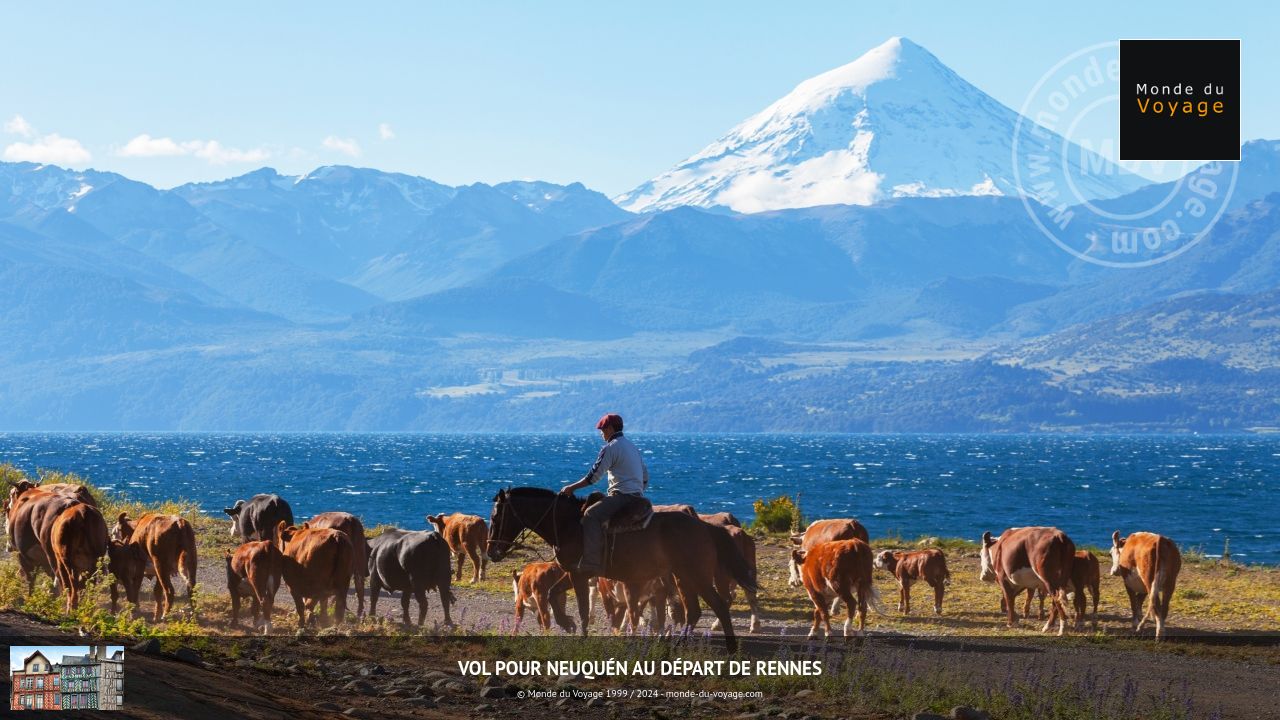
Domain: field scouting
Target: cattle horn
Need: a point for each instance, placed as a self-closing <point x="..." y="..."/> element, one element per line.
<point x="1115" y="538"/>
<point x="986" y="538"/>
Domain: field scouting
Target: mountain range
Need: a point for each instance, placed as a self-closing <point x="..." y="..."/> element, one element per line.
<point x="885" y="278"/>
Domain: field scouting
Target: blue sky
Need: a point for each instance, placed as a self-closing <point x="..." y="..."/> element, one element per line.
<point x="608" y="94"/>
<point x="18" y="653"/>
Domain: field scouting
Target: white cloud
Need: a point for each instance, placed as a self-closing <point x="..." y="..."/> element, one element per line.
<point x="19" y="126"/>
<point x="211" y="151"/>
<point x="346" y="146"/>
<point x="385" y="132"/>
<point x="51" y="148"/>
<point x="216" y="154"/>
<point x="146" y="146"/>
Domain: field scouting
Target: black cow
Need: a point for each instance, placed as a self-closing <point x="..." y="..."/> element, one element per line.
<point x="411" y="563"/>
<point x="257" y="518"/>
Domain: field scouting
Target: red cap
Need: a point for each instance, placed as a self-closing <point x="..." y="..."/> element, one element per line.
<point x="612" y="420"/>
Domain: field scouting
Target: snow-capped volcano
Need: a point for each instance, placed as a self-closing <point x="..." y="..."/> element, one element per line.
<point x="895" y="122"/>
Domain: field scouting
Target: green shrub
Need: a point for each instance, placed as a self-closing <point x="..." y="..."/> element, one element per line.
<point x="779" y="515"/>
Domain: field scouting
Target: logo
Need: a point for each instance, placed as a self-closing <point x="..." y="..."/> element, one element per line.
<point x="1109" y="212"/>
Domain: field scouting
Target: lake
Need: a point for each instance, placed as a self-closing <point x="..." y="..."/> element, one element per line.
<point x="1198" y="490"/>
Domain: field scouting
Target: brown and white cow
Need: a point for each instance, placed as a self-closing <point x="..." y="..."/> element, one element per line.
<point x="466" y="536"/>
<point x="909" y="567"/>
<point x="1149" y="565"/>
<point x="351" y="525"/>
<point x="1030" y="557"/>
<point x="820" y="531"/>
<point x="169" y="543"/>
<point x="316" y="565"/>
<point x="542" y="587"/>
<point x="77" y="540"/>
<point x="254" y="570"/>
<point x="837" y="570"/>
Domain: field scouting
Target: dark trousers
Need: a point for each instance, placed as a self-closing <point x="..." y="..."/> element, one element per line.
<point x="593" y="524"/>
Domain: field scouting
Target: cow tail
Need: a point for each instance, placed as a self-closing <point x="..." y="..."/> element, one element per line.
<point x="946" y="576"/>
<point x="187" y="553"/>
<point x="730" y="557"/>
<point x="1157" y="587"/>
<point x="873" y="598"/>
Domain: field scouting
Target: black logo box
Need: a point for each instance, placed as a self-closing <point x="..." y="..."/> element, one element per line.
<point x="1185" y="68"/>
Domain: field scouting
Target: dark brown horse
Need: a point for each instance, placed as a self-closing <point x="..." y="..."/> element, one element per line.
<point x="673" y="542"/>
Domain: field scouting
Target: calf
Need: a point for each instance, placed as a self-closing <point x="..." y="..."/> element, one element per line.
<point x="466" y="535"/>
<point x="258" y="518"/>
<point x="351" y="525"/>
<point x="1030" y="557"/>
<point x="1149" y="564"/>
<point x="78" y="539"/>
<point x="542" y="587"/>
<point x="169" y="543"/>
<point x="316" y="565"/>
<point x="820" y="531"/>
<point x="127" y="564"/>
<point x="911" y="567"/>
<point x="837" y="570"/>
<point x="254" y="571"/>
<point x="625" y="602"/>
<point x="1084" y="577"/>
<point x="410" y="563"/>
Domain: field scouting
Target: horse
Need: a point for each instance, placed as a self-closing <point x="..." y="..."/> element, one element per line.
<point x="672" y="542"/>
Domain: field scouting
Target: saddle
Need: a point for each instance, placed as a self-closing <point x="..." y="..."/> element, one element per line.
<point x="630" y="520"/>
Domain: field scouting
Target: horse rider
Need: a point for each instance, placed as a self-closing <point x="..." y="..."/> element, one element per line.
<point x="628" y="479"/>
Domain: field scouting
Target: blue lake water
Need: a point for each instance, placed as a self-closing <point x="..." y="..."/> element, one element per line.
<point x="1199" y="490"/>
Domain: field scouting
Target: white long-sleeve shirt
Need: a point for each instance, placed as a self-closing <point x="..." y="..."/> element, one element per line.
<point x="622" y="461"/>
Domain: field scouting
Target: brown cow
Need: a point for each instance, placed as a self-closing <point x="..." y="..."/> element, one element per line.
<point x="254" y="571"/>
<point x="820" y="531"/>
<point x="466" y="535"/>
<point x="837" y="570"/>
<point x="724" y="582"/>
<point x="169" y="543"/>
<point x="316" y="564"/>
<point x="723" y="519"/>
<point x="910" y="567"/>
<point x="1149" y="564"/>
<point x="542" y="587"/>
<point x="25" y="491"/>
<point x="77" y="540"/>
<point x="1030" y="557"/>
<point x="29" y="524"/>
<point x="351" y="525"/>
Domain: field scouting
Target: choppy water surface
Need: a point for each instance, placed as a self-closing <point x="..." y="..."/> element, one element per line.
<point x="1197" y="490"/>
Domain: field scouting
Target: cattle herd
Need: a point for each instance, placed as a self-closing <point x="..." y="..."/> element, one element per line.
<point x="59" y="529"/>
